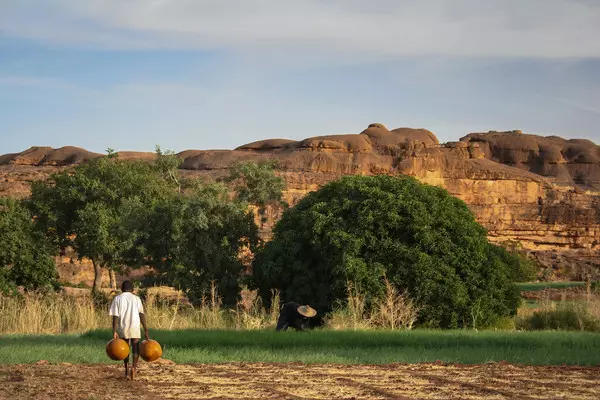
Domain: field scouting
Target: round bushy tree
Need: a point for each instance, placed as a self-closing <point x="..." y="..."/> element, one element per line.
<point x="361" y="229"/>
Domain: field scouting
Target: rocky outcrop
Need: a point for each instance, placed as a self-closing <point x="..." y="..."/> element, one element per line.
<point x="540" y="191"/>
<point x="47" y="156"/>
<point x="566" y="162"/>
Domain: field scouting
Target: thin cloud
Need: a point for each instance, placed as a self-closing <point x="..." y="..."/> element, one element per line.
<point x="496" y="28"/>
<point x="591" y="108"/>
<point x="35" y="82"/>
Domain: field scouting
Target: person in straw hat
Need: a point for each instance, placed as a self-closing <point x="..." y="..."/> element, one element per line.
<point x="294" y="315"/>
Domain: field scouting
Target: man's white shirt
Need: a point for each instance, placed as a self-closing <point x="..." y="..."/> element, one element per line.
<point x="127" y="307"/>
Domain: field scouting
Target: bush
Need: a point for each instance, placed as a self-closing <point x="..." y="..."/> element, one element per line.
<point x="565" y="316"/>
<point x="360" y="229"/>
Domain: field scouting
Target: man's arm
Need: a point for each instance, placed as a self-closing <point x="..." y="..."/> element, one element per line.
<point x="115" y="325"/>
<point x="143" y="321"/>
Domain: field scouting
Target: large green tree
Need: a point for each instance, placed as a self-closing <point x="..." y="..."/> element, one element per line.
<point x="196" y="238"/>
<point x="85" y="208"/>
<point x="360" y="229"/>
<point x="25" y="257"/>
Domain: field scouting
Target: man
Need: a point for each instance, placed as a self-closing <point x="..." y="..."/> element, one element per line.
<point x="127" y="312"/>
<point x="294" y="315"/>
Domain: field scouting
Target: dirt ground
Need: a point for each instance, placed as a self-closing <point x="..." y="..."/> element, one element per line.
<point x="165" y="380"/>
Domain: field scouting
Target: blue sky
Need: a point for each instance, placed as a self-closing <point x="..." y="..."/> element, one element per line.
<point x="207" y="74"/>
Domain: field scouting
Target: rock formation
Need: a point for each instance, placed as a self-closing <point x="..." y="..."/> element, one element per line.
<point x="543" y="192"/>
<point x="566" y="162"/>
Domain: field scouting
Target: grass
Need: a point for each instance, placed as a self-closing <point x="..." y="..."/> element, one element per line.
<point x="539" y="303"/>
<point x="49" y="328"/>
<point x="535" y="286"/>
<point x="62" y="314"/>
<point x="326" y="346"/>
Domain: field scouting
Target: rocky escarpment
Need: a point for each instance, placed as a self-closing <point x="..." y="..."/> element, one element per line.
<point x="566" y="162"/>
<point x="540" y="191"/>
<point x="47" y="156"/>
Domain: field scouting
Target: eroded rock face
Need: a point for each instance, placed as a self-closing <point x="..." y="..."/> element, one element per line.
<point x="540" y="191"/>
<point x="566" y="162"/>
<point x="45" y="156"/>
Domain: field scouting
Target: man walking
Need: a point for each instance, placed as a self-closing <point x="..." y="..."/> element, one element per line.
<point x="127" y="313"/>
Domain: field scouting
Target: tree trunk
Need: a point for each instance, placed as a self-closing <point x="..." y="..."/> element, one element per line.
<point x="97" y="277"/>
<point x="113" y="279"/>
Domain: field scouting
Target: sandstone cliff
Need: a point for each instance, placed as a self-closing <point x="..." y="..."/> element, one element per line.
<point x="540" y="191"/>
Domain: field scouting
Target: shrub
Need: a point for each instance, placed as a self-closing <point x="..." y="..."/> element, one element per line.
<point x="361" y="229"/>
<point x="568" y="316"/>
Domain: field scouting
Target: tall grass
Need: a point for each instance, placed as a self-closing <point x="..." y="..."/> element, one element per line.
<point x="59" y="314"/>
<point x="392" y="311"/>
<point x="351" y="315"/>
<point x="35" y="314"/>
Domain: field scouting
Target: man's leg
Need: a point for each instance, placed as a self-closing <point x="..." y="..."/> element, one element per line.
<point x="126" y="360"/>
<point x="135" y="348"/>
<point x="282" y="322"/>
<point x="282" y="326"/>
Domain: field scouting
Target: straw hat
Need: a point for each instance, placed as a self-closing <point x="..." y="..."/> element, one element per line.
<point x="307" y="311"/>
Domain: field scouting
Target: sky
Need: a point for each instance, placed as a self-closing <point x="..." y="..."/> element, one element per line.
<point x="216" y="74"/>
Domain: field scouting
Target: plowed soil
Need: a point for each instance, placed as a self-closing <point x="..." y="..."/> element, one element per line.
<point x="165" y="380"/>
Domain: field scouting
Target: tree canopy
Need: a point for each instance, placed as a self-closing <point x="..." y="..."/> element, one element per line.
<point x="120" y="212"/>
<point x="362" y="229"/>
<point x="256" y="183"/>
<point x="25" y="258"/>
<point x="84" y="208"/>
<point x="196" y="238"/>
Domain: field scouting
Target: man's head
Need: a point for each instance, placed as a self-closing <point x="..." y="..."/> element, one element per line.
<point x="127" y="286"/>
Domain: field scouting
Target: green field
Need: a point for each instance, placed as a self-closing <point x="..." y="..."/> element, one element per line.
<point x="535" y="286"/>
<point x="342" y="347"/>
